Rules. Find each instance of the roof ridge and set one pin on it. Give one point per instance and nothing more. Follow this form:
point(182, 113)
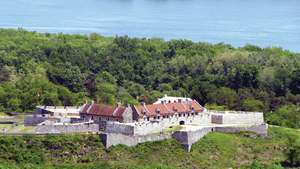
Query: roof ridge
point(145, 106)
point(115, 110)
point(90, 107)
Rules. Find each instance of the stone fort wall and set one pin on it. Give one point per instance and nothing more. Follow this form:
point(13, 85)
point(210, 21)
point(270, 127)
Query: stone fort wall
point(112, 139)
point(146, 127)
point(186, 138)
point(238, 117)
point(60, 129)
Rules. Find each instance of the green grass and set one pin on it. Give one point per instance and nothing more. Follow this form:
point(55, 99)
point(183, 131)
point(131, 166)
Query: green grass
point(3, 114)
point(173, 128)
point(215, 150)
point(4, 126)
point(21, 129)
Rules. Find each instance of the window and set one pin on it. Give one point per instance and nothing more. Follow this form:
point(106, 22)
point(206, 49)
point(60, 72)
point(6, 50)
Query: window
point(179, 115)
point(148, 118)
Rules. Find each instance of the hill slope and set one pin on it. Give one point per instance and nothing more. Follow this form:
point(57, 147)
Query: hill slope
point(216, 150)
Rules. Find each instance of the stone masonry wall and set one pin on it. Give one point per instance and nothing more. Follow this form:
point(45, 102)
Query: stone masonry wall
point(187, 138)
point(59, 129)
point(121, 128)
point(112, 139)
point(258, 129)
point(243, 118)
point(147, 127)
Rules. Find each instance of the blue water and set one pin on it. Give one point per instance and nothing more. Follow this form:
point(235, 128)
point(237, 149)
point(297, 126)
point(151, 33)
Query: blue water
point(237, 22)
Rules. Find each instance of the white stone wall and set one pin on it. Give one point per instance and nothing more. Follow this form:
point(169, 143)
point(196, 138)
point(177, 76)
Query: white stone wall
point(59, 129)
point(112, 139)
point(147, 127)
point(122, 128)
point(243, 118)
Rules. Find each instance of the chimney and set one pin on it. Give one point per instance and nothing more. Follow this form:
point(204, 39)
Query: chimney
point(119, 104)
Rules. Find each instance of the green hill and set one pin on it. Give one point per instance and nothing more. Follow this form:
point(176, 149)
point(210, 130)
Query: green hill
point(216, 150)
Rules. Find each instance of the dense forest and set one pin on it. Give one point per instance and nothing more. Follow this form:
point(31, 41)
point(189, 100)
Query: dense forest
point(62, 69)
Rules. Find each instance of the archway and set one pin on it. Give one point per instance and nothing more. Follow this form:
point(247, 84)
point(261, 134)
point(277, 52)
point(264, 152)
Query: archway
point(181, 122)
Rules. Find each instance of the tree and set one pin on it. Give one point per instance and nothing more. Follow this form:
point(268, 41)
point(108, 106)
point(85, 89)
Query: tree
point(67, 75)
point(295, 82)
point(224, 96)
point(287, 115)
point(292, 151)
point(106, 88)
point(252, 105)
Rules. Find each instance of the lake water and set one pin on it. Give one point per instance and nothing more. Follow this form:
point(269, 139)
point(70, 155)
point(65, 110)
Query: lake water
point(237, 22)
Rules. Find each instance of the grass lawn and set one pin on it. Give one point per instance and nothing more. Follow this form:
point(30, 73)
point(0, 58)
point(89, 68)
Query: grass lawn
point(3, 114)
point(21, 129)
point(4, 126)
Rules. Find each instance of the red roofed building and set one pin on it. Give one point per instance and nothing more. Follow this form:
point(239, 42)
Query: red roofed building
point(101, 112)
point(180, 112)
point(166, 110)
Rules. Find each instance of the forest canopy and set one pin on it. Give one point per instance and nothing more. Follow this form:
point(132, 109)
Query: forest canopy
point(63, 69)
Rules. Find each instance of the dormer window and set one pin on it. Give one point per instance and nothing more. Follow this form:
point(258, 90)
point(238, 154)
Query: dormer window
point(144, 111)
point(157, 110)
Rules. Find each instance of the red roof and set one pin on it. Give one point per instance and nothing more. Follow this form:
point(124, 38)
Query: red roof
point(103, 110)
point(169, 108)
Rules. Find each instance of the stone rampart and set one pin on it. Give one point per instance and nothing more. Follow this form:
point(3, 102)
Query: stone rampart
point(258, 129)
point(238, 117)
point(58, 129)
point(121, 128)
point(148, 127)
point(188, 138)
point(112, 139)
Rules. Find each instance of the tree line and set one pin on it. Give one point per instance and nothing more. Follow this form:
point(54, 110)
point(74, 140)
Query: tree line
point(63, 69)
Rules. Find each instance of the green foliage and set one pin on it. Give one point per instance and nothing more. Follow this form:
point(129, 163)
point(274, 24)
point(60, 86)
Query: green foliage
point(215, 107)
point(252, 105)
point(288, 116)
point(224, 96)
point(37, 68)
point(292, 151)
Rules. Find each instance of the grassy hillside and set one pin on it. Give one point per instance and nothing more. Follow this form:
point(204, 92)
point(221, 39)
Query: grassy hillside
point(216, 150)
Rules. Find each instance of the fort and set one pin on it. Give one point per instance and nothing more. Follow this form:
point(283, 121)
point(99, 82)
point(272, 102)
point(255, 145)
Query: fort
point(169, 117)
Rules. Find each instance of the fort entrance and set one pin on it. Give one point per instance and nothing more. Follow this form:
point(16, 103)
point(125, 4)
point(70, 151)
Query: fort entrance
point(181, 122)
